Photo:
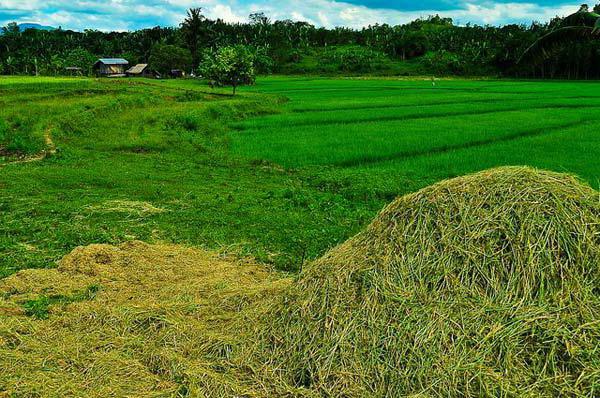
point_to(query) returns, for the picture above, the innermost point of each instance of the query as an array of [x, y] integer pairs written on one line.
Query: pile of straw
[[484, 285], [163, 320]]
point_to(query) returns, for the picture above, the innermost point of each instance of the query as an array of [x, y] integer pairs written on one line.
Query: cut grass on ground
[[479, 286]]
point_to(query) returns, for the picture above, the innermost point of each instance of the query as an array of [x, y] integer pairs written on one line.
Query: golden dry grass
[[128, 207], [483, 285], [163, 321]]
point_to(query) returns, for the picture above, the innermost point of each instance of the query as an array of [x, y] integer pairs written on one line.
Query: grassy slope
[[349, 147], [158, 144]]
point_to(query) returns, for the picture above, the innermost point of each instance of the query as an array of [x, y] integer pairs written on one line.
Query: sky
[[121, 15]]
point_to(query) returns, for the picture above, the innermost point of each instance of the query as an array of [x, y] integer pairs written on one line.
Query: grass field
[[386, 130], [283, 171]]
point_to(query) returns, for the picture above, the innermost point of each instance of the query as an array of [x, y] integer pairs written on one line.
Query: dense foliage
[[435, 44], [165, 57]]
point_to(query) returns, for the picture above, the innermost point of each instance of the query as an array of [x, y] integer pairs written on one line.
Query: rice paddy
[[382, 132], [284, 171]]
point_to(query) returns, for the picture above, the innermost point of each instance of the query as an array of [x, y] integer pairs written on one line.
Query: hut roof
[[113, 61], [138, 69]]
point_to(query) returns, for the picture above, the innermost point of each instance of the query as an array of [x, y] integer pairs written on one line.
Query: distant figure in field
[[433, 81]]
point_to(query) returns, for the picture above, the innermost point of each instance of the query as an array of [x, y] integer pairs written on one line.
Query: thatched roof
[[137, 69]]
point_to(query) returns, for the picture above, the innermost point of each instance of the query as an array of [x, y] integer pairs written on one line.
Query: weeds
[[39, 308]]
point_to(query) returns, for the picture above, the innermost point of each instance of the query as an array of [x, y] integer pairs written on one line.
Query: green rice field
[[283, 171], [395, 129]]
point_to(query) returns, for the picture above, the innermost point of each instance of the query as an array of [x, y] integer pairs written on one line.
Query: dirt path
[[49, 151]]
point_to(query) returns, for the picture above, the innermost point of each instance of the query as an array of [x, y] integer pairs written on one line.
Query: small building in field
[[111, 67], [175, 73], [74, 71], [142, 70]]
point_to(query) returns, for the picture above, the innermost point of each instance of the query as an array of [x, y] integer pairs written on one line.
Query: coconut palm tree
[[583, 25]]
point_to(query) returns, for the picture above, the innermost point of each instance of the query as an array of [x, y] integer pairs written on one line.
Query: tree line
[[432, 45]]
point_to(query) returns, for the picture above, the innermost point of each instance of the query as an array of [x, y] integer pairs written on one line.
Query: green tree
[[572, 39], [165, 57], [194, 32], [229, 66], [353, 59], [11, 29], [80, 58]]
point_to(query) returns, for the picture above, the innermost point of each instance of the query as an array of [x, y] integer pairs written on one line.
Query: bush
[[444, 63], [353, 59], [80, 58], [165, 58], [263, 63]]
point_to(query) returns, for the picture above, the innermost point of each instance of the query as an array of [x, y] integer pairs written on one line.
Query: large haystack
[[484, 285]]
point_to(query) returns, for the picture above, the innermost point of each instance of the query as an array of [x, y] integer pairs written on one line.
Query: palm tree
[[582, 25], [192, 28]]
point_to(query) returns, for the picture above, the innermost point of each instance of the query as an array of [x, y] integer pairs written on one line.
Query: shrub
[[443, 63], [353, 59], [165, 58]]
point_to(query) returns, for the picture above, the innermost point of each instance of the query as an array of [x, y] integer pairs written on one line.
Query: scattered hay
[[485, 285], [131, 207], [163, 321]]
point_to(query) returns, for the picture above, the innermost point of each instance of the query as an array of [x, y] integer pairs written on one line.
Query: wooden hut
[[176, 73], [111, 67]]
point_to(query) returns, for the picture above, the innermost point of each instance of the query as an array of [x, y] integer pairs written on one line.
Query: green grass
[[392, 136], [283, 171], [157, 143], [39, 307]]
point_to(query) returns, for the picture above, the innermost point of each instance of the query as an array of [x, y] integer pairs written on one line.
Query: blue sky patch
[[123, 15]]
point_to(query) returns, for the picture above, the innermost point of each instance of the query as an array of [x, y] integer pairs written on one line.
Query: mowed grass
[[380, 134], [284, 171]]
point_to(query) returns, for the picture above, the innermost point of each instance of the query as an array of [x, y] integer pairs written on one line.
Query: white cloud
[[337, 13], [20, 5], [134, 14], [502, 12], [323, 19], [224, 12]]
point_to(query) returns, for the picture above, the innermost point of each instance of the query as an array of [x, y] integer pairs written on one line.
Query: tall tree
[[165, 57], [192, 29]]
